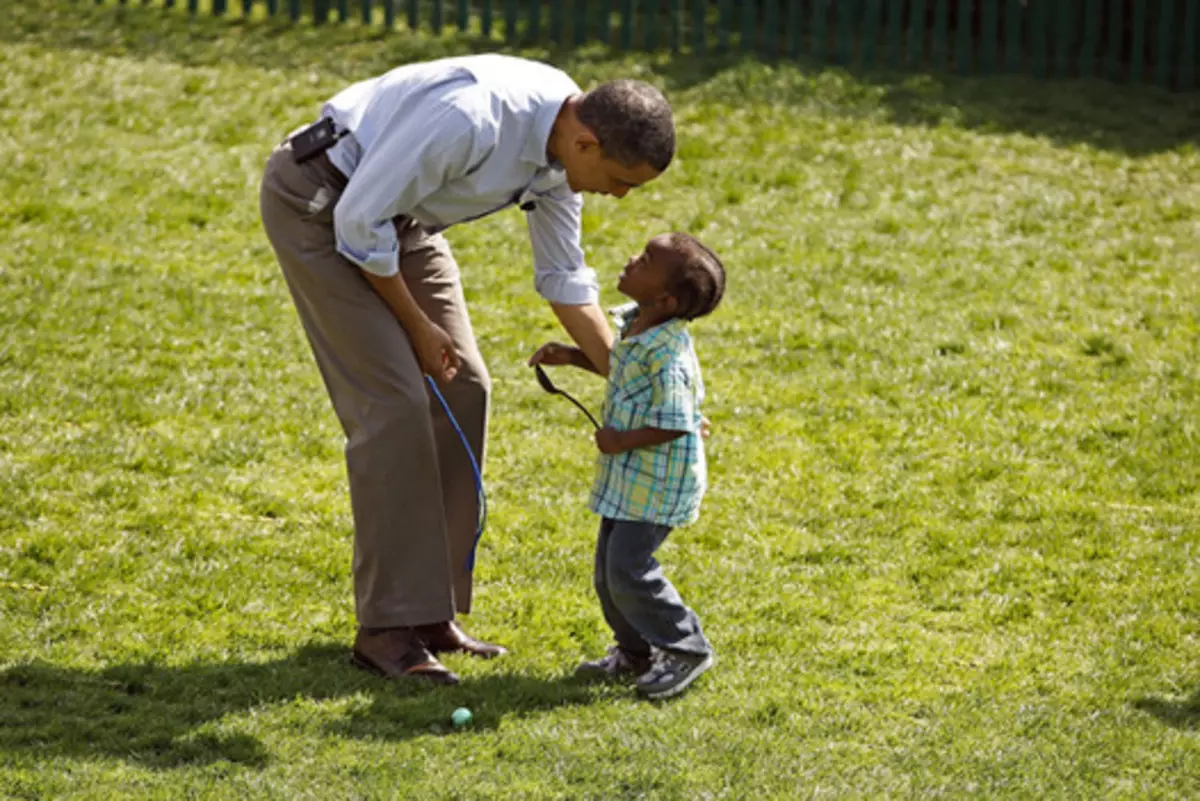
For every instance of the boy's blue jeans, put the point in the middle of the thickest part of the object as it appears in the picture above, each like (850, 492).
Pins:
(640, 604)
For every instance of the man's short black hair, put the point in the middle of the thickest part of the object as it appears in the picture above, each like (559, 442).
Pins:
(632, 121)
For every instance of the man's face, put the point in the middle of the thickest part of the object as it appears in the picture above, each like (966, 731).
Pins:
(589, 170)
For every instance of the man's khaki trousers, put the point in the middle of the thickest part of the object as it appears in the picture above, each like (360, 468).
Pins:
(411, 486)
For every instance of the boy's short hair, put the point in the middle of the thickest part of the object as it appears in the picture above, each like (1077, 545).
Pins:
(698, 280)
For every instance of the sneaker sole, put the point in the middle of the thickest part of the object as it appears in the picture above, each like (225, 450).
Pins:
(681, 686)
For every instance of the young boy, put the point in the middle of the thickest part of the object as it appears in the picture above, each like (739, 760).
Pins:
(650, 475)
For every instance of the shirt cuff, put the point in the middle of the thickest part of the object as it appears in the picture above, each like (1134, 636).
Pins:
(384, 264)
(570, 288)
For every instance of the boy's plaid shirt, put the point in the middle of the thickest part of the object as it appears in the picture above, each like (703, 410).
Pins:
(654, 381)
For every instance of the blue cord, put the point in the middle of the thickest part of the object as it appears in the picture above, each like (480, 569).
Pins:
(474, 468)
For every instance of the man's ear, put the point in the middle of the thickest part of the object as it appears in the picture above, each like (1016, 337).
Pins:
(585, 140)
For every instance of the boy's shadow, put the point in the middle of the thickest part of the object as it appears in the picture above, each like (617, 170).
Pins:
(150, 714)
(1183, 714)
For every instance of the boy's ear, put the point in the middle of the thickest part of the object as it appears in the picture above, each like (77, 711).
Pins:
(670, 303)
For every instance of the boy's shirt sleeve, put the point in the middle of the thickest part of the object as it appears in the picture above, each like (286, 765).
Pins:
(673, 397)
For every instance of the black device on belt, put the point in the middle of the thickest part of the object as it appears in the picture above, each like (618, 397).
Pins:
(315, 140)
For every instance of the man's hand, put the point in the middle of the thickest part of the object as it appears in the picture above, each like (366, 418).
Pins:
(435, 352)
(432, 345)
(610, 441)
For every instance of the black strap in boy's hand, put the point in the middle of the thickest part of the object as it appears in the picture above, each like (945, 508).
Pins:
(548, 385)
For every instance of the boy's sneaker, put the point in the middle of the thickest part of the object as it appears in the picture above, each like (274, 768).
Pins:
(671, 672)
(616, 663)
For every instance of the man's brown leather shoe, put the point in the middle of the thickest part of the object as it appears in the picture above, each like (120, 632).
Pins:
(445, 637)
(398, 653)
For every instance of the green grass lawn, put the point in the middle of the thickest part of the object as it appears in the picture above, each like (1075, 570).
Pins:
(952, 545)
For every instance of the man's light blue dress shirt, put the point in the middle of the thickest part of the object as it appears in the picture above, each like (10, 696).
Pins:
(448, 141)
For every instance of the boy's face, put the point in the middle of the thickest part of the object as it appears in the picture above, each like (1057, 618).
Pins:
(646, 275)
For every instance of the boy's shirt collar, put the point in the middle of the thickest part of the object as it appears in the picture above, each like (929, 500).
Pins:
(663, 331)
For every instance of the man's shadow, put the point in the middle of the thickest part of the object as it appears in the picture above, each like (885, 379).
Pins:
(151, 714)
(1184, 714)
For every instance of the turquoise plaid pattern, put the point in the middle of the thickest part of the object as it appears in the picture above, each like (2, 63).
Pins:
(654, 381)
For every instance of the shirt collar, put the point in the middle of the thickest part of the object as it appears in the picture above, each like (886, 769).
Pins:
(543, 122)
(663, 333)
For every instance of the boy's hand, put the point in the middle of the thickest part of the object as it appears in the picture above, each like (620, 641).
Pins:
(553, 353)
(610, 441)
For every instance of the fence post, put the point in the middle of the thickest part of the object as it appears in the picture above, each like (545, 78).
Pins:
(414, 15)
(556, 22)
(435, 17)
(964, 58)
(1013, 17)
(916, 33)
(510, 20)
(698, 24)
(989, 32)
(746, 40)
(1187, 60)
(1091, 33)
(218, 7)
(485, 19)
(580, 8)
(1166, 25)
(795, 28)
(389, 14)
(343, 10)
(1038, 36)
(1137, 56)
(894, 13)
(768, 42)
(1064, 38)
(870, 31)
(820, 16)
(366, 11)
(628, 17)
(723, 26)
(848, 12)
(941, 35)
(1115, 38)
(605, 24)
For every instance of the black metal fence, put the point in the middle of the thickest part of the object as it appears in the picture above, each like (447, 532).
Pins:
(1121, 40)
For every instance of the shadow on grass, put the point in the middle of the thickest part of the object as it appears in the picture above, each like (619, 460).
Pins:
(165, 717)
(1177, 714)
(1132, 119)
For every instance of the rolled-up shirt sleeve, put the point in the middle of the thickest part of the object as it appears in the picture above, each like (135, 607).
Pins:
(413, 156)
(560, 274)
